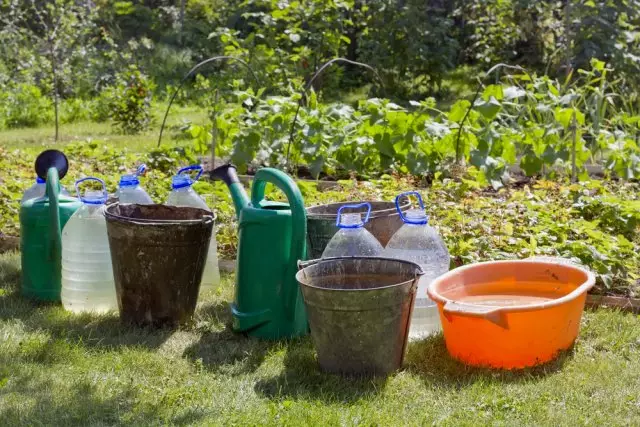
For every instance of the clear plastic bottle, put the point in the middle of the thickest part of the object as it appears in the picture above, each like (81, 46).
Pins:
(418, 242)
(352, 239)
(38, 190)
(183, 195)
(130, 191)
(87, 274)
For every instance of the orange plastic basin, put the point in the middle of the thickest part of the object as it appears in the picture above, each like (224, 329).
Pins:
(510, 314)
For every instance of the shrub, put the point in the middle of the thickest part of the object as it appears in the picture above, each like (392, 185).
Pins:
(100, 106)
(130, 104)
(23, 105)
(73, 110)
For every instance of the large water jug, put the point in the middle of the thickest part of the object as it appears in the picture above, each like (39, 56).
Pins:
(130, 191)
(39, 189)
(182, 194)
(418, 242)
(352, 239)
(87, 274)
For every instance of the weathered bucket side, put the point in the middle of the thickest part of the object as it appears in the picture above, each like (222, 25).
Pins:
(359, 312)
(384, 221)
(158, 254)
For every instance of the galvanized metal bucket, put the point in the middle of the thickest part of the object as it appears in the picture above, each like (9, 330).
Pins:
(359, 311)
(158, 254)
(321, 223)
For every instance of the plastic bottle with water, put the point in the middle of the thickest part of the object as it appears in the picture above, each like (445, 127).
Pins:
(87, 274)
(38, 190)
(183, 195)
(418, 242)
(352, 239)
(130, 191)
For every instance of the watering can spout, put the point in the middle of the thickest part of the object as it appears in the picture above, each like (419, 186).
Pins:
(227, 174)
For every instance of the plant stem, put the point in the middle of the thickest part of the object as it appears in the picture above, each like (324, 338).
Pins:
(574, 137)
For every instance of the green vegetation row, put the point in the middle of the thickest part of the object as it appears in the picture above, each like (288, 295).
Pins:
(596, 223)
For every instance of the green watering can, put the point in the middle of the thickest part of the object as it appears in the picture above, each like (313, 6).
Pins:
(271, 239)
(41, 222)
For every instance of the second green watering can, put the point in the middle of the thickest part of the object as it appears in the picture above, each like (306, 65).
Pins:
(271, 239)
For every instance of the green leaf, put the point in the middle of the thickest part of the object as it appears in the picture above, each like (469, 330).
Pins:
(489, 109)
(494, 91)
(458, 110)
(531, 165)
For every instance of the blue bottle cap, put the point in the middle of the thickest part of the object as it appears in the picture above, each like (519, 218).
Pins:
(129, 181)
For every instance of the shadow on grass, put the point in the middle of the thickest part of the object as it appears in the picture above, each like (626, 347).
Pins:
(91, 330)
(430, 360)
(301, 378)
(224, 349)
(82, 402)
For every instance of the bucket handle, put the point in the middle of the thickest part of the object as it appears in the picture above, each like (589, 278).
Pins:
(407, 194)
(91, 178)
(494, 315)
(198, 168)
(356, 206)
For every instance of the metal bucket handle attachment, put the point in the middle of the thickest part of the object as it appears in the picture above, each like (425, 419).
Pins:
(356, 206)
(102, 199)
(192, 168)
(399, 209)
(298, 219)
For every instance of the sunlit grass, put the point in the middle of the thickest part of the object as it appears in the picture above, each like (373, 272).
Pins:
(62, 369)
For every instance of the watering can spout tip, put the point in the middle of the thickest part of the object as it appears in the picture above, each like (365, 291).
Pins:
(227, 174)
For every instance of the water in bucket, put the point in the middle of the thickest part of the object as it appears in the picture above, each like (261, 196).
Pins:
(130, 191)
(352, 239)
(87, 274)
(38, 190)
(418, 242)
(182, 194)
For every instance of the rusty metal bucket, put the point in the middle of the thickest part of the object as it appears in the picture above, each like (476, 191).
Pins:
(321, 223)
(359, 312)
(158, 254)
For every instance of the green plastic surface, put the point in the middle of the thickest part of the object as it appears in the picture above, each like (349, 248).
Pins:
(41, 223)
(272, 238)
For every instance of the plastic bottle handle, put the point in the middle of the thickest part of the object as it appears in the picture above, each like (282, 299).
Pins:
(141, 170)
(357, 206)
(90, 178)
(407, 194)
(192, 168)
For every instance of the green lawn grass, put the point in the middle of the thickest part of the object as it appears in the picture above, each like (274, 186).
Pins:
(58, 369)
(43, 136)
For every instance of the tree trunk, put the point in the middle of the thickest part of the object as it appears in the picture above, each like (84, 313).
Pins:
(567, 35)
(214, 131)
(181, 20)
(54, 71)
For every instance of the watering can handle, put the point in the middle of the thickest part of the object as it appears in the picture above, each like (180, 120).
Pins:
(298, 218)
(407, 194)
(53, 193)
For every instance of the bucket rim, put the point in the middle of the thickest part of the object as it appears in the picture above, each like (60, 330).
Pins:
(211, 216)
(374, 213)
(302, 265)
